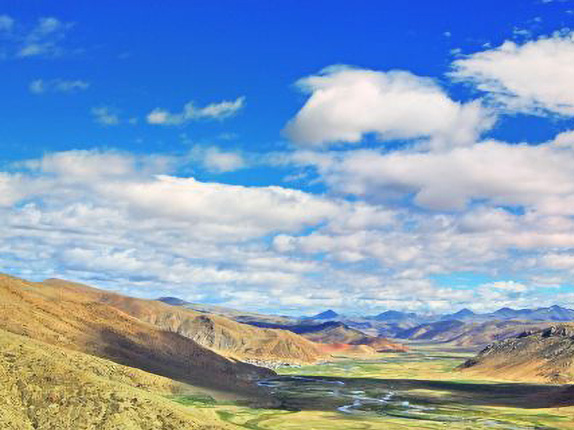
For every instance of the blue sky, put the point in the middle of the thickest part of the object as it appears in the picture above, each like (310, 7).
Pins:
(288, 157)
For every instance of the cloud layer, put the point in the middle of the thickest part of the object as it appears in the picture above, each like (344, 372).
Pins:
(127, 222)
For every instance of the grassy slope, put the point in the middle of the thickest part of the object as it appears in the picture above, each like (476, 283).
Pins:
(47, 387)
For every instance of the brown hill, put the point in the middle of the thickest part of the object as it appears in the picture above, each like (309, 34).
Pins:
(382, 344)
(68, 316)
(337, 334)
(220, 334)
(332, 332)
(48, 387)
(346, 349)
(545, 355)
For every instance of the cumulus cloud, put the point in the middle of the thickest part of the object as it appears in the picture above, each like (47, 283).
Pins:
(345, 104)
(535, 76)
(538, 176)
(191, 112)
(42, 86)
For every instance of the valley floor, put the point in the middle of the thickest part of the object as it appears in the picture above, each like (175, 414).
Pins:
(415, 390)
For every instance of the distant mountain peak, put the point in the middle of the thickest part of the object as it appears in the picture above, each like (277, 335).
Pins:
(174, 301)
(392, 315)
(464, 313)
(326, 315)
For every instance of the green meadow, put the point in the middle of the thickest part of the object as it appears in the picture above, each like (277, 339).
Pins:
(417, 390)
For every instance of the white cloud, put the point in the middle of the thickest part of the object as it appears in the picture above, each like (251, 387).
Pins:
(41, 86)
(106, 216)
(43, 39)
(218, 161)
(191, 112)
(535, 76)
(106, 116)
(226, 210)
(6, 23)
(538, 176)
(560, 261)
(347, 103)
(86, 166)
(507, 286)
(124, 221)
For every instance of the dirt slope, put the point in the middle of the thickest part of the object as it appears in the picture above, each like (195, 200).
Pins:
(545, 355)
(47, 387)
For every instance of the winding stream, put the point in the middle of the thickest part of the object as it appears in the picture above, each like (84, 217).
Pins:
(384, 399)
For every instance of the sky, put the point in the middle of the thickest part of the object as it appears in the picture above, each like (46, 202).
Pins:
(292, 157)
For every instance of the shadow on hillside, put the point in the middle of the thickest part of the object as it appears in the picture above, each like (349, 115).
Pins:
(515, 395)
(178, 358)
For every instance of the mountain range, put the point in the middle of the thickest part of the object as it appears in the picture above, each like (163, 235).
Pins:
(552, 313)
(463, 328)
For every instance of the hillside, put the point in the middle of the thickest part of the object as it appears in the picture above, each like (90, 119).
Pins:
(220, 334)
(47, 387)
(68, 316)
(545, 355)
(491, 331)
(382, 344)
(323, 332)
(468, 334)
(332, 332)
(440, 331)
(341, 337)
